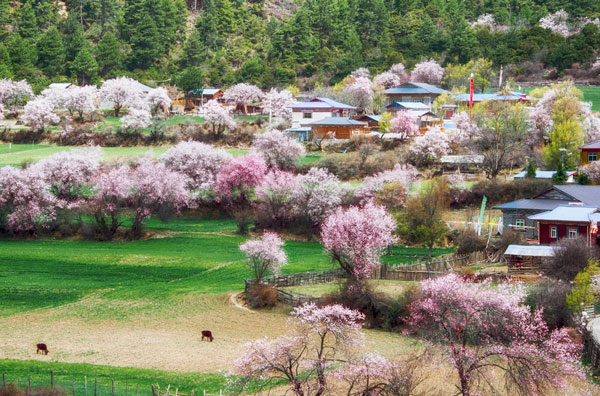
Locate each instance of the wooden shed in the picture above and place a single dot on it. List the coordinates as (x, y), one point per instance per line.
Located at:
(340, 127)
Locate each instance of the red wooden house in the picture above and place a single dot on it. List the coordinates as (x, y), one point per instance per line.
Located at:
(568, 221)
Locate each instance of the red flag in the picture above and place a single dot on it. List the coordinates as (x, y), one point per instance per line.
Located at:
(471, 98)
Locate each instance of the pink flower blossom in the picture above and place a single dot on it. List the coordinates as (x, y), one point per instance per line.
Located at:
(237, 178)
(158, 99)
(401, 173)
(14, 94)
(405, 123)
(276, 103)
(278, 149)
(264, 255)
(387, 80)
(317, 194)
(136, 119)
(121, 92)
(433, 144)
(219, 117)
(429, 72)
(243, 94)
(356, 238)
(38, 113)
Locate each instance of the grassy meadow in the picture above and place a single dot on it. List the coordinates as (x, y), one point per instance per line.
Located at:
(19, 154)
(135, 309)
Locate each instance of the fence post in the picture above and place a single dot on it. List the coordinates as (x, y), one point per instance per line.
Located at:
(73, 386)
(95, 386)
(4, 380)
(153, 392)
(126, 385)
(29, 384)
(85, 384)
(51, 378)
(112, 387)
(137, 389)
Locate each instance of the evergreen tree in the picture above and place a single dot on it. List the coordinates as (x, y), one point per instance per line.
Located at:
(109, 55)
(5, 63)
(45, 13)
(22, 53)
(74, 38)
(51, 52)
(5, 19)
(85, 66)
(194, 52)
(145, 44)
(531, 170)
(371, 23)
(464, 43)
(27, 23)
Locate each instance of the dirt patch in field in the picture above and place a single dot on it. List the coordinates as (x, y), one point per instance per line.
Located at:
(167, 338)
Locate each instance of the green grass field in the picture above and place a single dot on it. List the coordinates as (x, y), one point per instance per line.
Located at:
(590, 94)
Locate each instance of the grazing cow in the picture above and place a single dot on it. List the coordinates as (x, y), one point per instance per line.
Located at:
(207, 334)
(42, 348)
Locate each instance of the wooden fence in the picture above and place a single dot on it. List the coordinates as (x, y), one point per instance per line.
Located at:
(303, 278)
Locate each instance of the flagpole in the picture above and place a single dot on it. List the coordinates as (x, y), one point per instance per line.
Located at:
(471, 96)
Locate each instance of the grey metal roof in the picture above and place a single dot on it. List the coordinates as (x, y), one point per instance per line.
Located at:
(462, 159)
(415, 88)
(593, 145)
(569, 213)
(539, 174)
(532, 204)
(321, 103)
(480, 97)
(588, 195)
(409, 105)
(530, 250)
(338, 121)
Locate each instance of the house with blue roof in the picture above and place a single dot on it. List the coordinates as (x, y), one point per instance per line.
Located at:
(414, 92)
(516, 97)
(568, 221)
(518, 214)
(318, 109)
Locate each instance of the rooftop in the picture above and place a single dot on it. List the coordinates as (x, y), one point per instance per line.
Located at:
(539, 174)
(530, 250)
(578, 214)
(593, 145)
(532, 204)
(480, 97)
(408, 105)
(588, 195)
(415, 88)
(205, 91)
(321, 103)
(337, 121)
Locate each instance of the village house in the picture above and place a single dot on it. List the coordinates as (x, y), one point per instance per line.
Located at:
(515, 97)
(545, 175)
(199, 97)
(318, 109)
(371, 120)
(527, 258)
(568, 221)
(425, 117)
(589, 153)
(413, 92)
(516, 214)
(337, 127)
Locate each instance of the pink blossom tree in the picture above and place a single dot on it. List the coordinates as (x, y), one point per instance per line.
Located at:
(69, 172)
(596, 64)
(14, 94)
(356, 238)
(236, 183)
(200, 163)
(484, 328)
(121, 92)
(401, 173)
(430, 146)
(278, 149)
(557, 23)
(361, 72)
(592, 171)
(80, 99)
(265, 255)
(274, 198)
(429, 72)
(393, 77)
(156, 190)
(158, 100)
(112, 188)
(38, 113)
(219, 117)
(360, 92)
(26, 202)
(321, 337)
(276, 103)
(405, 124)
(317, 194)
(136, 119)
(243, 94)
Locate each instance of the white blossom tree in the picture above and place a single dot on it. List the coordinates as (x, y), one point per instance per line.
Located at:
(276, 103)
(158, 99)
(121, 92)
(38, 113)
(219, 117)
(242, 94)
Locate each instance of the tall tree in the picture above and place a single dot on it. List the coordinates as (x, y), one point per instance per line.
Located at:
(51, 52)
(145, 44)
(109, 55)
(27, 22)
(85, 66)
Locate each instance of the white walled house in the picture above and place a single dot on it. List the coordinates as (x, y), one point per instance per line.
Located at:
(318, 109)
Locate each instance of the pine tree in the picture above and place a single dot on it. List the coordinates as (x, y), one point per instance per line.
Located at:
(194, 52)
(85, 66)
(51, 52)
(23, 54)
(145, 47)
(109, 55)
(464, 43)
(74, 38)
(5, 63)
(531, 170)
(45, 13)
(5, 19)
(27, 23)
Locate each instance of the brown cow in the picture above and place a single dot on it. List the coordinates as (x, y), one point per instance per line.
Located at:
(207, 334)
(42, 348)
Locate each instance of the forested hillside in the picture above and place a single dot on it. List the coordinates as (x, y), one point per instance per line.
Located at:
(282, 42)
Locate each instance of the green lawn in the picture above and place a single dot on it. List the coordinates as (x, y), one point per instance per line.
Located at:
(590, 94)
(19, 154)
(127, 380)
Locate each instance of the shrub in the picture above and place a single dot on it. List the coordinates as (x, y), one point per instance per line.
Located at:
(551, 296)
(571, 256)
(469, 242)
(262, 296)
(498, 192)
(344, 166)
(14, 390)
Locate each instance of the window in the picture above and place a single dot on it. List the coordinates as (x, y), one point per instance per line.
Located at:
(573, 233)
(592, 157)
(427, 100)
(520, 224)
(306, 115)
(553, 232)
